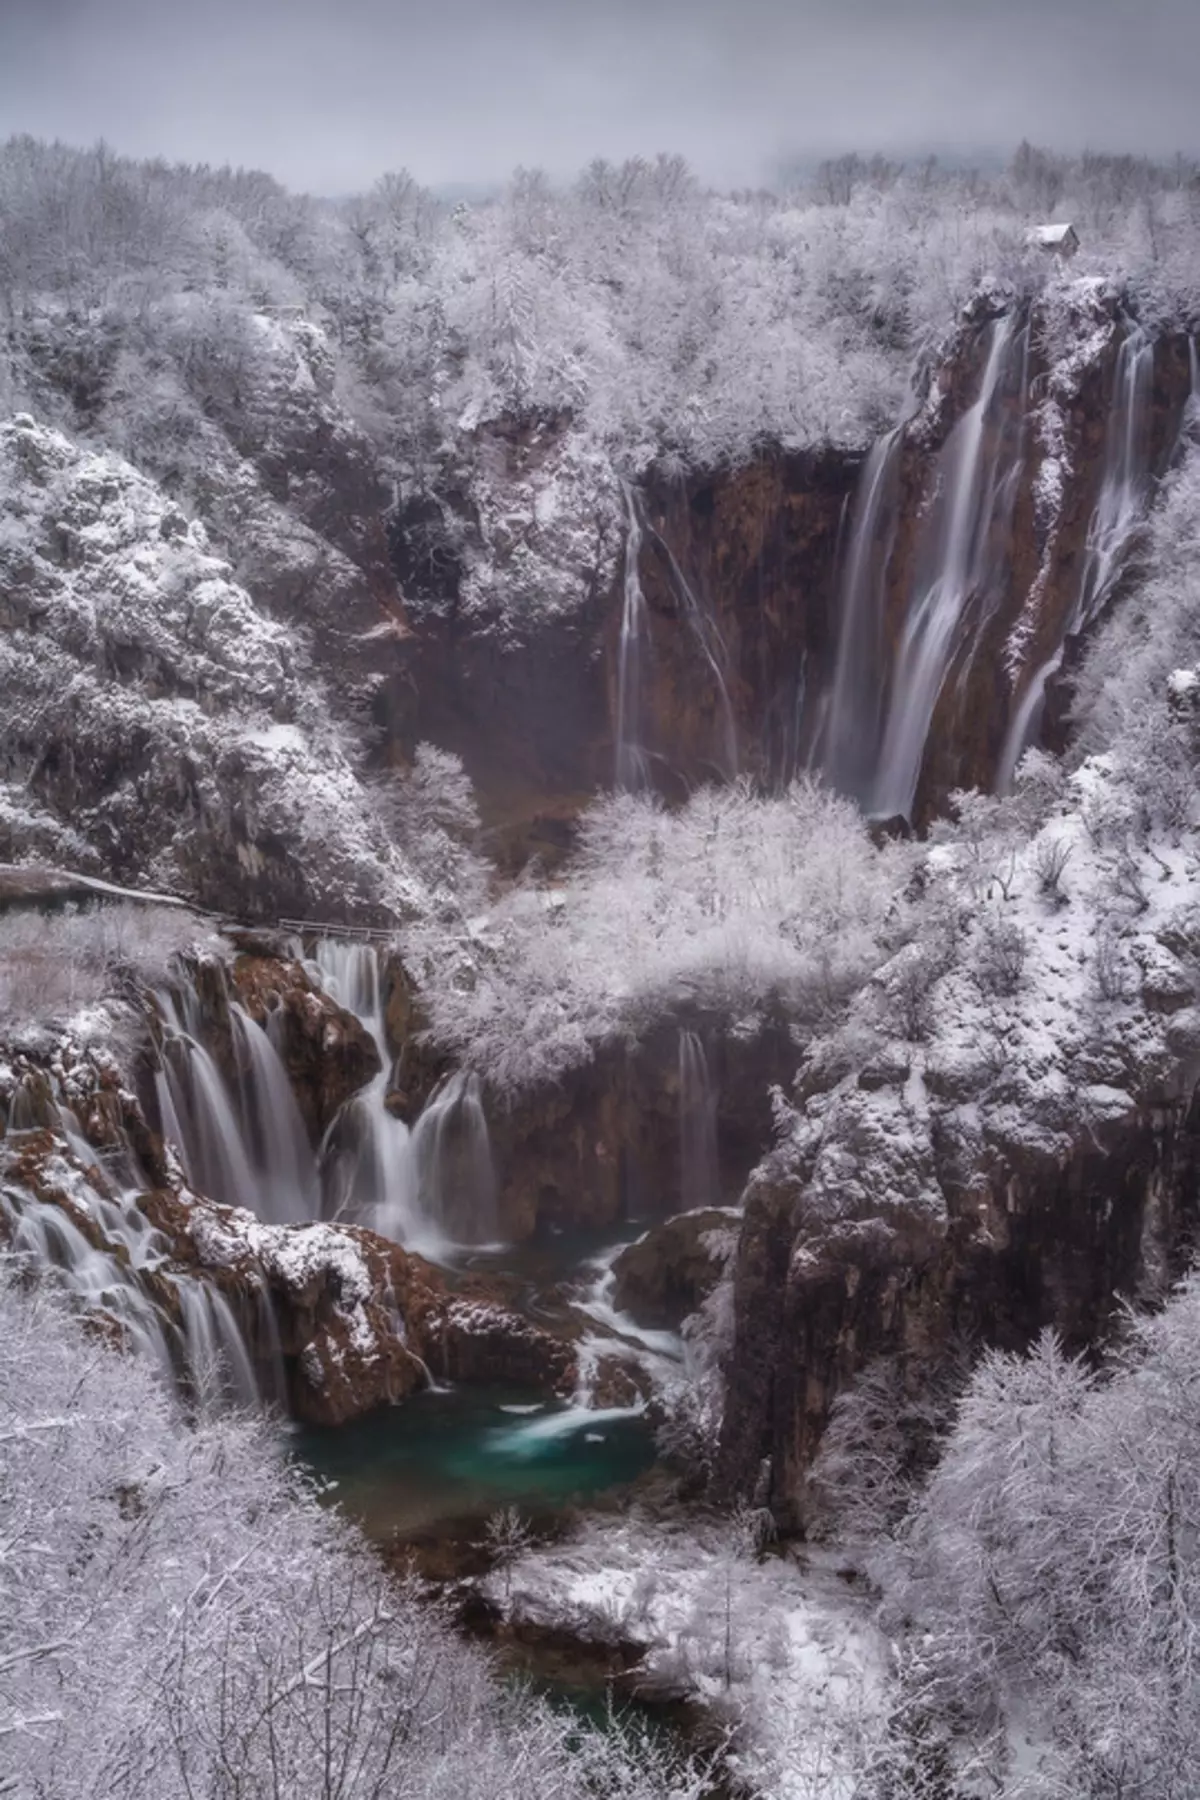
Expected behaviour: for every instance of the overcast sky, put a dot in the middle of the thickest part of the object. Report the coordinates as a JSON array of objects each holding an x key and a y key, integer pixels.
[{"x": 329, "y": 93}]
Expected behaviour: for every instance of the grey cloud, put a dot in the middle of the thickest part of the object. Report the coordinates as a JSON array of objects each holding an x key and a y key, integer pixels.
[{"x": 327, "y": 93}]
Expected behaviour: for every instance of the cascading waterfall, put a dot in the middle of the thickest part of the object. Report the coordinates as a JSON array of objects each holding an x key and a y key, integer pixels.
[
  {"x": 121, "y": 1270},
  {"x": 368, "y": 1171},
  {"x": 631, "y": 771},
  {"x": 1119, "y": 509},
  {"x": 976, "y": 485},
  {"x": 456, "y": 1179},
  {"x": 198, "y": 1113},
  {"x": 248, "y": 1147},
  {"x": 429, "y": 1188},
  {"x": 276, "y": 1133},
  {"x": 699, "y": 1167},
  {"x": 854, "y": 717},
  {"x": 244, "y": 1141}
]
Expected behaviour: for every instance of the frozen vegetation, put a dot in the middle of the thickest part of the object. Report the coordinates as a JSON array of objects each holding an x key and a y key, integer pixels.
[
  {"x": 522, "y": 353},
  {"x": 178, "y": 1616},
  {"x": 213, "y": 385}
]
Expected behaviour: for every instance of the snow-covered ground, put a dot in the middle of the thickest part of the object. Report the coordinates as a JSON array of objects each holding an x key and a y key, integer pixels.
[{"x": 776, "y": 1644}]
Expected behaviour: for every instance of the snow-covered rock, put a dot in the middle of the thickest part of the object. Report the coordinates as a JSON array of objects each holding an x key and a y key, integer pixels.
[{"x": 158, "y": 726}]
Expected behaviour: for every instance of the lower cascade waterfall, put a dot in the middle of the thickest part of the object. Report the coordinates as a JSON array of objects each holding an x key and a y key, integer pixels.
[
  {"x": 241, "y": 1140},
  {"x": 119, "y": 1270}
]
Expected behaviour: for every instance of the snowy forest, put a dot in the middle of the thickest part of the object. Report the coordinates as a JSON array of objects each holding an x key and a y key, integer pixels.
[{"x": 599, "y": 983}]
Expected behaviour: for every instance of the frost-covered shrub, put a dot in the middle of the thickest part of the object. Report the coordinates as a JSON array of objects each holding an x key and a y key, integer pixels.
[
  {"x": 179, "y": 1618},
  {"x": 431, "y": 813},
  {"x": 1050, "y": 1570},
  {"x": 53, "y": 965},
  {"x": 1001, "y": 948},
  {"x": 1050, "y": 858},
  {"x": 736, "y": 904}
]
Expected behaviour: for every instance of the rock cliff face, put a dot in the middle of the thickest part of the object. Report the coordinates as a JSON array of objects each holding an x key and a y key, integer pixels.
[
  {"x": 747, "y": 576},
  {"x": 1033, "y": 1242},
  {"x": 605, "y": 1145}
]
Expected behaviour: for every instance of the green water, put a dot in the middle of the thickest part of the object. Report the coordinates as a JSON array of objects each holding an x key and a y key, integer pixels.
[{"x": 458, "y": 1455}]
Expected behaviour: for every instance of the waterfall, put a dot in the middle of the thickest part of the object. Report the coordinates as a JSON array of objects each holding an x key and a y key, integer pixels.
[
  {"x": 429, "y": 1188},
  {"x": 103, "y": 1279},
  {"x": 1119, "y": 509},
  {"x": 243, "y": 1141},
  {"x": 198, "y": 1113},
  {"x": 219, "y": 1371},
  {"x": 274, "y": 1128},
  {"x": 1126, "y": 480},
  {"x": 707, "y": 633},
  {"x": 248, "y": 1147},
  {"x": 631, "y": 770},
  {"x": 853, "y": 721},
  {"x": 700, "y": 1176},
  {"x": 456, "y": 1179},
  {"x": 113, "y": 1274},
  {"x": 976, "y": 482}
]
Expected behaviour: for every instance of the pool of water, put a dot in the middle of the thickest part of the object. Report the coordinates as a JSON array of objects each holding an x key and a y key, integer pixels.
[{"x": 461, "y": 1454}]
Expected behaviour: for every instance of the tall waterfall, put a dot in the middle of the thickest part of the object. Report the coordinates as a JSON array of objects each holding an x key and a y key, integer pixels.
[
  {"x": 699, "y": 1167},
  {"x": 631, "y": 769},
  {"x": 1119, "y": 509},
  {"x": 976, "y": 484},
  {"x": 854, "y": 718}
]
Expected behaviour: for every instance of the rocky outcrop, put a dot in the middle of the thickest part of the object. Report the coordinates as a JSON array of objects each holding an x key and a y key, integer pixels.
[
  {"x": 666, "y": 1274},
  {"x": 158, "y": 727},
  {"x": 604, "y": 1144},
  {"x": 1030, "y": 1242},
  {"x": 325, "y": 1050}
]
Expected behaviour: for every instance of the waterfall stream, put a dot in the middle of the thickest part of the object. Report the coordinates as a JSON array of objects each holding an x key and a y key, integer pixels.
[
  {"x": 631, "y": 769},
  {"x": 854, "y": 719},
  {"x": 975, "y": 491},
  {"x": 1119, "y": 509},
  {"x": 707, "y": 634},
  {"x": 119, "y": 1269},
  {"x": 699, "y": 1169}
]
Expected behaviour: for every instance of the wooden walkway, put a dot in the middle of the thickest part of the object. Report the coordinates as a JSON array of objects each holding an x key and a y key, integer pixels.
[{"x": 37, "y": 887}]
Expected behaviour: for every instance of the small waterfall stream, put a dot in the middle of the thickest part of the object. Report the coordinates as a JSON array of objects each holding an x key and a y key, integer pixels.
[
  {"x": 631, "y": 769},
  {"x": 707, "y": 634},
  {"x": 699, "y": 1168}
]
